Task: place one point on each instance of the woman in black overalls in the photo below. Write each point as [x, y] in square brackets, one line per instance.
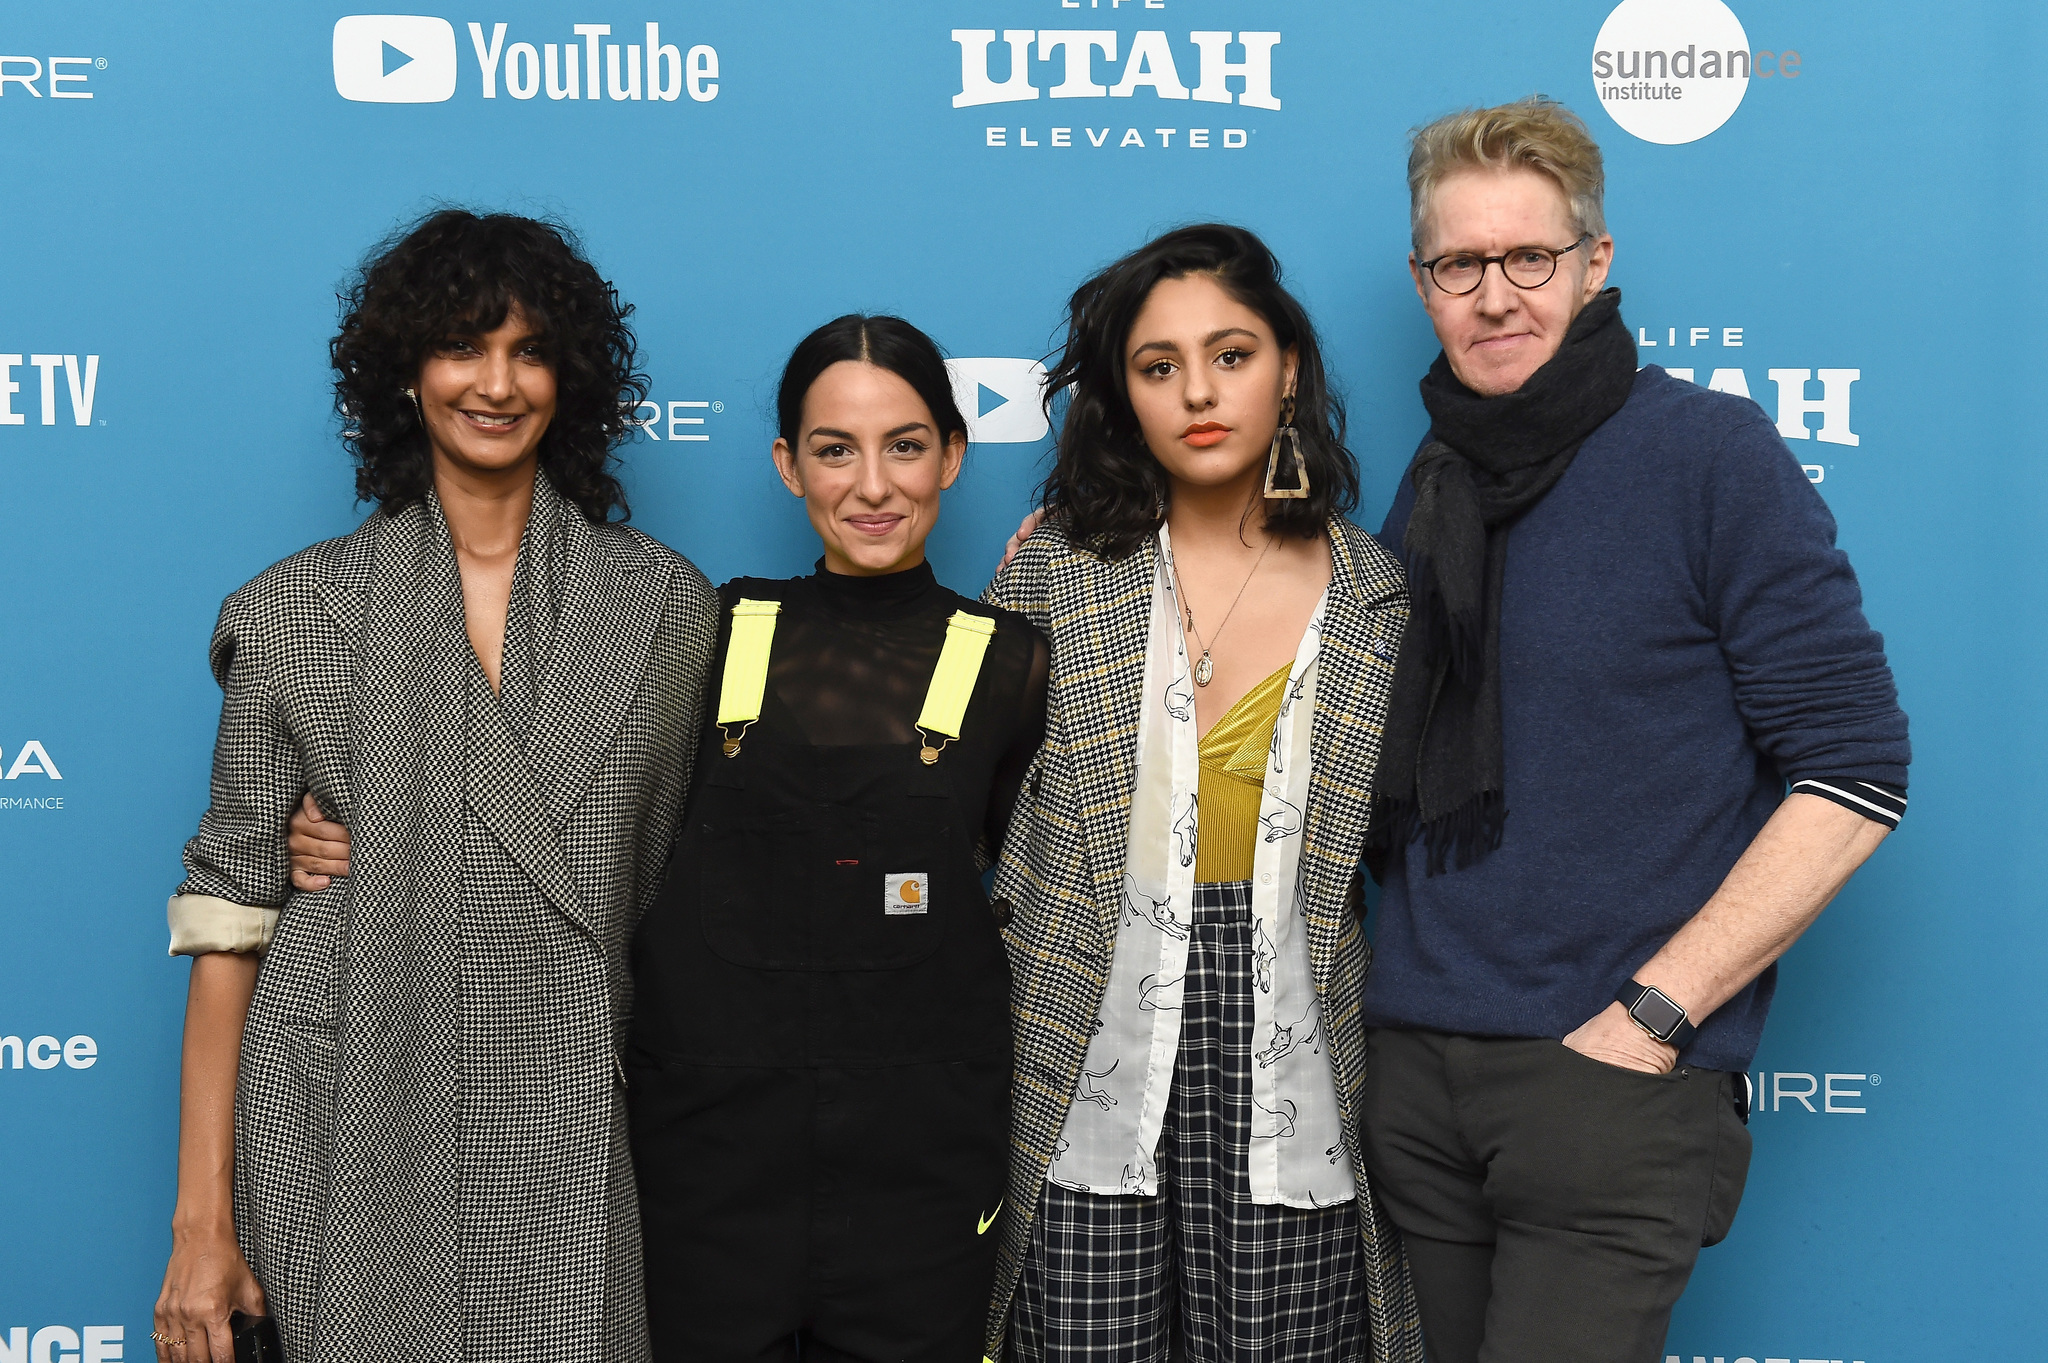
[820, 1062]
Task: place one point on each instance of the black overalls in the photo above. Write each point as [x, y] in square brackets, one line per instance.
[820, 1065]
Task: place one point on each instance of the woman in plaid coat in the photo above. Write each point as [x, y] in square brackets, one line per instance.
[1186, 947]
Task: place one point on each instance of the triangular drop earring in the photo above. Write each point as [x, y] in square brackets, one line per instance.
[1290, 437]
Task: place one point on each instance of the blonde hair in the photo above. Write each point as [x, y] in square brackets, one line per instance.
[1536, 133]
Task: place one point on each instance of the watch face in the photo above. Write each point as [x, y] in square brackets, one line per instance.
[1657, 1013]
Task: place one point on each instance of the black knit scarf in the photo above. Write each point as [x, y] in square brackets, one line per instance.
[1486, 462]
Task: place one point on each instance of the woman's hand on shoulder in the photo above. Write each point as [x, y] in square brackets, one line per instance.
[207, 1280]
[1016, 541]
[319, 847]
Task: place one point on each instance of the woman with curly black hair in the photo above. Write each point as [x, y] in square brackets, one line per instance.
[404, 1135]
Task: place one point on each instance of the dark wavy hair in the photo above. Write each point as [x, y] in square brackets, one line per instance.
[1105, 485]
[887, 343]
[455, 271]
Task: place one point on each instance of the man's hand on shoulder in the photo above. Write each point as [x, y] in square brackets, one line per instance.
[1612, 1038]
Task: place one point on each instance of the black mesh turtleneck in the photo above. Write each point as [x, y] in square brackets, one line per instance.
[852, 660]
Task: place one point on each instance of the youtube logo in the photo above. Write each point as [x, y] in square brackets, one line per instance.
[1002, 399]
[394, 59]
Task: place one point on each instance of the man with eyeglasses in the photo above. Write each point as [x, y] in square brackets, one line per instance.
[1640, 735]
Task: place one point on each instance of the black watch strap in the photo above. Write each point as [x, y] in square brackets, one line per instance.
[1652, 1010]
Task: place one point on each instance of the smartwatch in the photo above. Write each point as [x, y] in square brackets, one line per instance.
[1652, 1010]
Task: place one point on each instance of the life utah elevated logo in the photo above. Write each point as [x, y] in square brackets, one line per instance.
[1145, 89]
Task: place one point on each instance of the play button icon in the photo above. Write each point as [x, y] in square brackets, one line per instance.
[1001, 399]
[394, 59]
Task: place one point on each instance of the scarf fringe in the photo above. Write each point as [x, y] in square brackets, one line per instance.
[1451, 841]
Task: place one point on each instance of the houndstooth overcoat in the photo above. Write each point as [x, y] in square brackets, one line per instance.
[430, 1140]
[1062, 863]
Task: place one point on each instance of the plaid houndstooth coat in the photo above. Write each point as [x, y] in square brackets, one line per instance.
[1062, 863]
[431, 1158]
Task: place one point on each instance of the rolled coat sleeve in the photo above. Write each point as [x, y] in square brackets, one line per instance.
[237, 867]
[1810, 674]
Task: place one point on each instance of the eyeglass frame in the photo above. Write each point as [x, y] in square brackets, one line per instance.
[1428, 267]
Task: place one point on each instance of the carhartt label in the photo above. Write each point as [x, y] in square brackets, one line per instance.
[905, 893]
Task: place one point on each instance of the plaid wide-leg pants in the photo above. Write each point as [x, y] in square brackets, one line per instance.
[1197, 1272]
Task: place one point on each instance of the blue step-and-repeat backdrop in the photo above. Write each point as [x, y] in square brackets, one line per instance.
[1832, 207]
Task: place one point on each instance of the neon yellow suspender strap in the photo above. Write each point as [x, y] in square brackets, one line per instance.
[746, 668]
[945, 704]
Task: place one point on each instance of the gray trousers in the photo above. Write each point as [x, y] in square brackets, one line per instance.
[1552, 1205]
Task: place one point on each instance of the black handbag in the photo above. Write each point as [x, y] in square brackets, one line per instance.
[255, 1339]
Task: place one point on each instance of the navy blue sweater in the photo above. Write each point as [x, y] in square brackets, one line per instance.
[1679, 638]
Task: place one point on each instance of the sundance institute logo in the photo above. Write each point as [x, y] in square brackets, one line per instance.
[1672, 71]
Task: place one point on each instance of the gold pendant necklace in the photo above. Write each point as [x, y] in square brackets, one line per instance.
[1205, 666]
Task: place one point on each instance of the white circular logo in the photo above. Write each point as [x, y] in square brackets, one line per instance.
[1671, 71]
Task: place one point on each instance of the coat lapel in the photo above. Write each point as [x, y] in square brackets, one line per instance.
[610, 607]
[607, 609]
[1101, 692]
[346, 588]
[314, 704]
[1368, 608]
[502, 791]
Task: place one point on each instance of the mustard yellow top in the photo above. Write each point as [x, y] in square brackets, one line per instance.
[1234, 755]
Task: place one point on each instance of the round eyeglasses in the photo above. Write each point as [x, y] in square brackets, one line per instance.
[1525, 267]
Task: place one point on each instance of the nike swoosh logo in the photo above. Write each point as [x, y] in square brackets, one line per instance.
[990, 1219]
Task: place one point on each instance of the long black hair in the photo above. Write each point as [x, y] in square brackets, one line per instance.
[452, 272]
[885, 342]
[1105, 486]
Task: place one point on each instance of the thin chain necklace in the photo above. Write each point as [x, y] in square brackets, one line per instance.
[1205, 668]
